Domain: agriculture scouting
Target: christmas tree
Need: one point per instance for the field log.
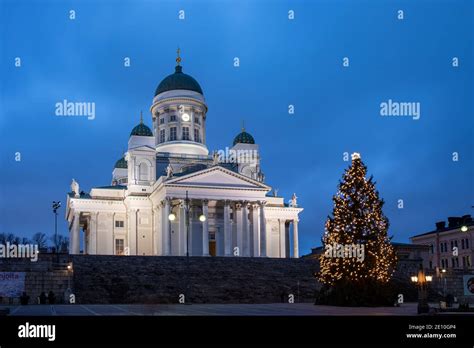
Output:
(357, 252)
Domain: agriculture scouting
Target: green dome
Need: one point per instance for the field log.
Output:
(121, 163)
(244, 138)
(178, 80)
(142, 130)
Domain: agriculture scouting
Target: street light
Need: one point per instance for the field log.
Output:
(464, 228)
(56, 206)
(421, 280)
(172, 217)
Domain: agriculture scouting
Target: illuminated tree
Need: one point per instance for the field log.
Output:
(358, 221)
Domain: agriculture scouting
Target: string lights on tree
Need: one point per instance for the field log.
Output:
(357, 220)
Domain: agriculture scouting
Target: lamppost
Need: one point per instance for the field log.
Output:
(172, 217)
(56, 206)
(421, 280)
(443, 275)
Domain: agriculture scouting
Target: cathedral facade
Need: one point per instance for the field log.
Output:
(170, 197)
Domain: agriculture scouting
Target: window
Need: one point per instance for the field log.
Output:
(431, 264)
(119, 247)
(456, 243)
(118, 223)
(196, 136)
(143, 172)
(162, 120)
(173, 118)
(462, 243)
(196, 120)
(468, 260)
(173, 134)
(467, 243)
(452, 262)
(457, 261)
(431, 249)
(442, 263)
(186, 133)
(452, 245)
(162, 136)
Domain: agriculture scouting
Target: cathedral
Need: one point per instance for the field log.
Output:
(170, 197)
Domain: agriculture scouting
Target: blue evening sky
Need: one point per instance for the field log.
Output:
(282, 62)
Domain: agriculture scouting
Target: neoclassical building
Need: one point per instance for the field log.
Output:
(170, 196)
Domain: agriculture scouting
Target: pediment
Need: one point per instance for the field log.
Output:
(143, 148)
(217, 177)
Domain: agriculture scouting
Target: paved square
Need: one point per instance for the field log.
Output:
(271, 309)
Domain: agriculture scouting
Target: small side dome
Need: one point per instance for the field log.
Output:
(121, 163)
(244, 138)
(141, 129)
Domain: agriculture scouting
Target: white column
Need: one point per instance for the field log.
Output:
(256, 231)
(263, 230)
(203, 128)
(75, 247)
(93, 234)
(182, 230)
(238, 221)
(157, 240)
(227, 230)
(191, 213)
(282, 238)
(165, 227)
(133, 233)
(205, 229)
(191, 127)
(246, 229)
(295, 239)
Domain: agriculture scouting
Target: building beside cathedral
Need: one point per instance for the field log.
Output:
(169, 195)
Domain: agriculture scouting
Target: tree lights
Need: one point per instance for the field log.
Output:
(357, 220)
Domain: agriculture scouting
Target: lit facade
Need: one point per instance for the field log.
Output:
(450, 247)
(144, 210)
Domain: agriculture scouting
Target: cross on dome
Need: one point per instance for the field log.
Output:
(178, 58)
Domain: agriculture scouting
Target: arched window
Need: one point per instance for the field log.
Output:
(143, 172)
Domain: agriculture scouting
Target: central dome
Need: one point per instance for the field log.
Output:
(178, 80)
